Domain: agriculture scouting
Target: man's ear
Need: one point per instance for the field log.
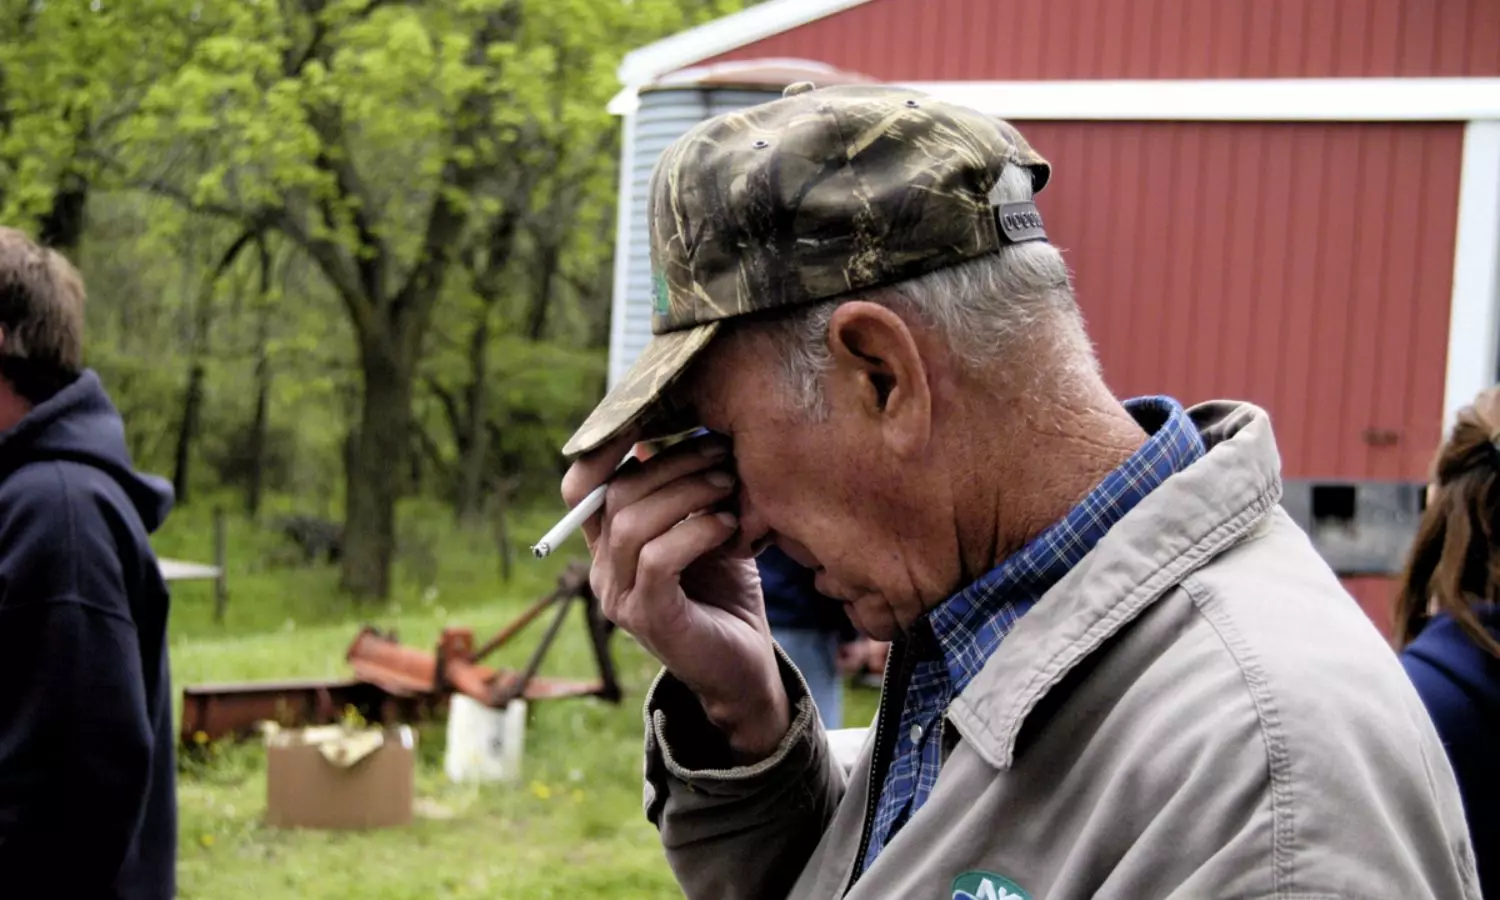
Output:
(879, 369)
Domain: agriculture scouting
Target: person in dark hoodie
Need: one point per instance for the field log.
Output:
(1447, 618)
(88, 803)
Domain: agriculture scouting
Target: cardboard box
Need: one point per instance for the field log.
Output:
(332, 777)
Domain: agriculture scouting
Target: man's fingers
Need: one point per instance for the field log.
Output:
(593, 469)
(590, 471)
(633, 527)
(661, 561)
(596, 467)
(672, 464)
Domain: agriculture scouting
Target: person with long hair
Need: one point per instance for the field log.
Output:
(1447, 617)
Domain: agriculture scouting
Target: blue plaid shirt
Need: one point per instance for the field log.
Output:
(967, 628)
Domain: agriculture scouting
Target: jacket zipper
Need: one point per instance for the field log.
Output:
(877, 769)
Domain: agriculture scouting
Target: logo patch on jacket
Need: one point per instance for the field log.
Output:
(661, 304)
(986, 886)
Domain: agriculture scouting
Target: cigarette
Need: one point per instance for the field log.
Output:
(570, 522)
(592, 503)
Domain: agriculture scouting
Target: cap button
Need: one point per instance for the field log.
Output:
(798, 87)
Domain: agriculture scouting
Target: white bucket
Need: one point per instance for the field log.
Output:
(484, 744)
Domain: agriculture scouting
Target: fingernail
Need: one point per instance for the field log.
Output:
(728, 518)
(713, 449)
(720, 479)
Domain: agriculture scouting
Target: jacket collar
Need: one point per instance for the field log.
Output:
(1192, 517)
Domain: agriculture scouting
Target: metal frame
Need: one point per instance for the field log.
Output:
(393, 683)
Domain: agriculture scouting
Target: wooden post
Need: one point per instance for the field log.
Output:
(499, 500)
(221, 562)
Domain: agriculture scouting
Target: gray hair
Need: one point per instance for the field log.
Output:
(984, 310)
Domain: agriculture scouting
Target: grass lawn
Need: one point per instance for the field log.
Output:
(572, 826)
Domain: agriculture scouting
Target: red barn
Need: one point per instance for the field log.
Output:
(1293, 202)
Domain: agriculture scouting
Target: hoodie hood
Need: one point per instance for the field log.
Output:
(1444, 645)
(80, 424)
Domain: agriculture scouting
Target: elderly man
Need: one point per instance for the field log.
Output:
(1119, 669)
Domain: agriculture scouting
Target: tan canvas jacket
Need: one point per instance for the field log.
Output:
(1198, 710)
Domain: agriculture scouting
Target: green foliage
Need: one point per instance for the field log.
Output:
(67, 68)
(442, 571)
(415, 174)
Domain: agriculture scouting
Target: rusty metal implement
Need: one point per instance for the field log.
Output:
(395, 683)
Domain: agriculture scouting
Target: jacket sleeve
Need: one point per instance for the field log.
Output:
(736, 831)
(75, 739)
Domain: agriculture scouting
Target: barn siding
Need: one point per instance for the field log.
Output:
(1375, 596)
(1303, 267)
(981, 40)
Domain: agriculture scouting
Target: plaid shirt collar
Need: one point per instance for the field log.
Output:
(967, 628)
(969, 625)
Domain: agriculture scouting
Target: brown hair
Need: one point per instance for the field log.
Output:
(1455, 560)
(41, 315)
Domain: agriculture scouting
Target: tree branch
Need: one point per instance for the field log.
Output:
(293, 64)
(447, 218)
(430, 448)
(332, 259)
(450, 409)
(499, 241)
(169, 191)
(361, 278)
(373, 259)
(264, 252)
(204, 317)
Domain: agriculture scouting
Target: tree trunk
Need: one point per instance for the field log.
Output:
(500, 501)
(187, 431)
(192, 398)
(261, 423)
(541, 300)
(62, 227)
(475, 439)
(262, 419)
(376, 470)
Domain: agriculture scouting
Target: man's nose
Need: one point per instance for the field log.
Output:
(754, 534)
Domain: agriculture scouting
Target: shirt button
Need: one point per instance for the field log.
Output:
(916, 734)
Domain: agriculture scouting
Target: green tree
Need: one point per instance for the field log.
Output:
(445, 161)
(69, 71)
(383, 139)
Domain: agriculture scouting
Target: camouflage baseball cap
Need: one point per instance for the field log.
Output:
(808, 197)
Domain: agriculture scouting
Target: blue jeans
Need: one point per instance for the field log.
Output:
(815, 653)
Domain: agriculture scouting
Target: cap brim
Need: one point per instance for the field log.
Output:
(665, 358)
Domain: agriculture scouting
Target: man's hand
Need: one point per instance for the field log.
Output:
(662, 571)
